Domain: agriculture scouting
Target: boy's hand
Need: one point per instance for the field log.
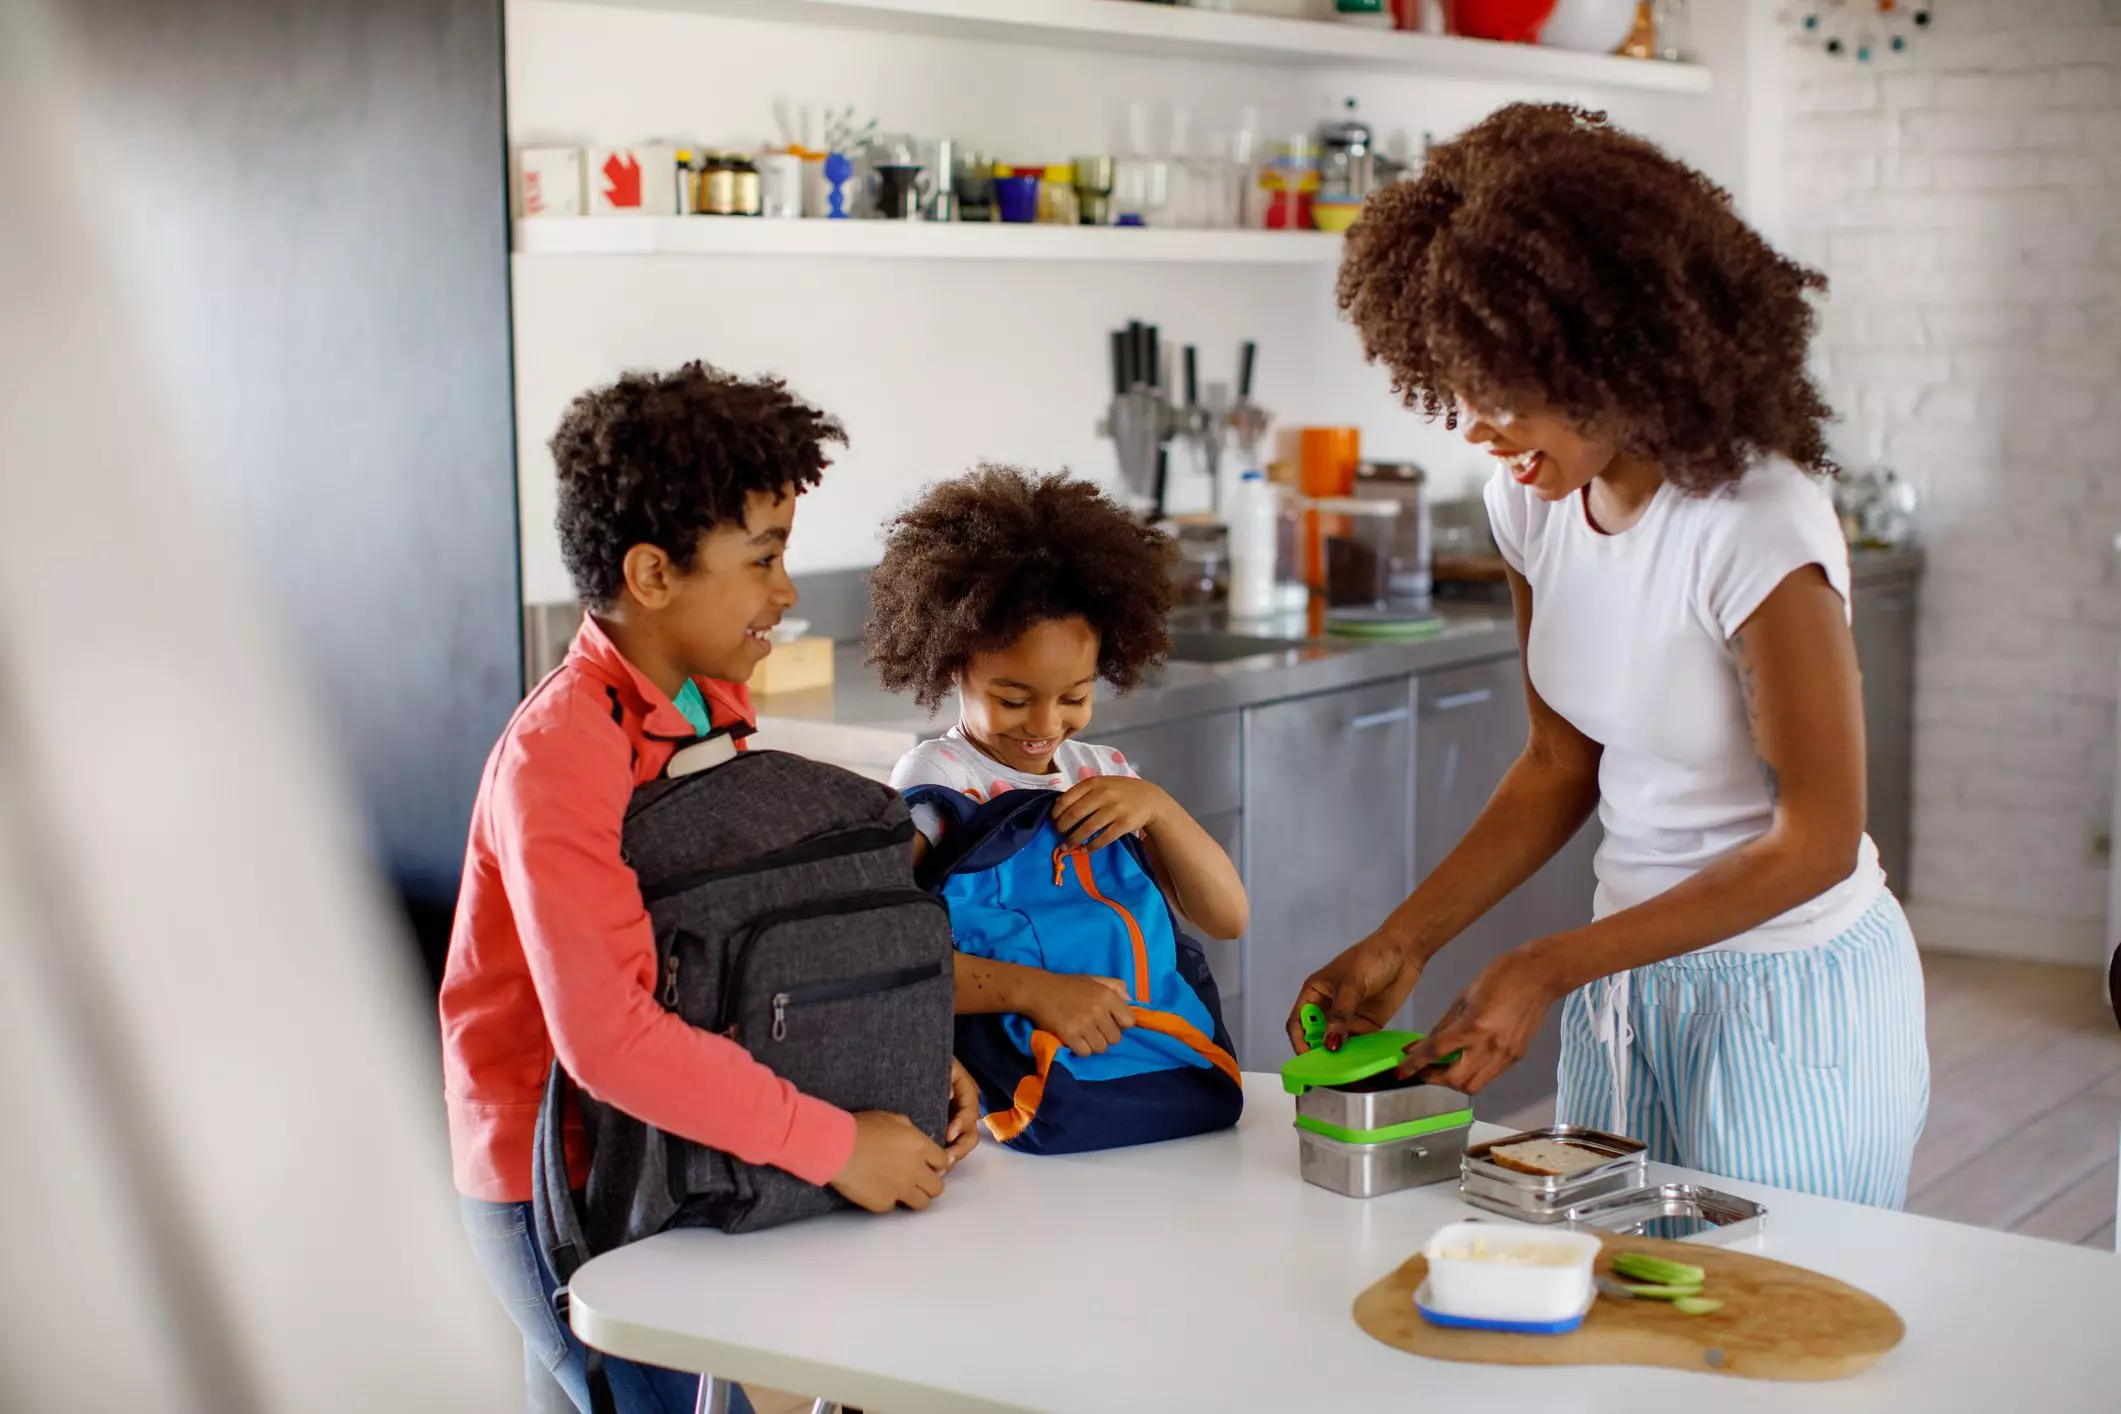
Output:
(962, 1134)
(1087, 1014)
(1105, 809)
(892, 1163)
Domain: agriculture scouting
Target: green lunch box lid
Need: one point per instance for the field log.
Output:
(1358, 1058)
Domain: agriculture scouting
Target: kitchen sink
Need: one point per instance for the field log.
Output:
(1209, 647)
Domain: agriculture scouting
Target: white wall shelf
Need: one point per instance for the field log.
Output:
(1175, 32)
(558, 236)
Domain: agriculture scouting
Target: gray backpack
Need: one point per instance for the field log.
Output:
(786, 918)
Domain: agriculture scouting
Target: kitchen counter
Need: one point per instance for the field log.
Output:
(1179, 689)
(1204, 1274)
(1472, 633)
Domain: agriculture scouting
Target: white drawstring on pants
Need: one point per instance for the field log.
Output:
(1612, 1029)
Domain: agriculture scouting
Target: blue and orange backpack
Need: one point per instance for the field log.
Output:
(1018, 893)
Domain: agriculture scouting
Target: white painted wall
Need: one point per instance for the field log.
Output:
(936, 366)
(1964, 201)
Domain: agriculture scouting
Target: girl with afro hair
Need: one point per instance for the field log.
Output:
(1020, 594)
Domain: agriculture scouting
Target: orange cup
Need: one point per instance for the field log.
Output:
(1327, 458)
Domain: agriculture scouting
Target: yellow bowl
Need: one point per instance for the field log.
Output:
(1335, 218)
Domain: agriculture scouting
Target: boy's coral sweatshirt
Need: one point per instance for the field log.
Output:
(552, 951)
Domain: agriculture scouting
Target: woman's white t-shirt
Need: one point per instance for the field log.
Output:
(1630, 642)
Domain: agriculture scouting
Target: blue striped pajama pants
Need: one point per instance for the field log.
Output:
(1806, 1070)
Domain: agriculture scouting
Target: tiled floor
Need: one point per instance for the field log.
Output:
(2025, 1100)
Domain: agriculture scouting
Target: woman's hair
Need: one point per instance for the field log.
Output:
(662, 458)
(976, 562)
(1546, 255)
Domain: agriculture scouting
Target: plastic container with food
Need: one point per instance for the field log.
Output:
(1486, 1272)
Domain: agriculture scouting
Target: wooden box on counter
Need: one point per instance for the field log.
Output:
(801, 666)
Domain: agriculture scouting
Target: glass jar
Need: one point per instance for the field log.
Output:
(1058, 204)
(744, 188)
(1289, 181)
(1203, 572)
(718, 185)
(1358, 537)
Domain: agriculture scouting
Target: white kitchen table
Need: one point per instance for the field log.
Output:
(1205, 1275)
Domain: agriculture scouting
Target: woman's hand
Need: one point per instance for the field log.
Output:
(1106, 809)
(1491, 1024)
(1358, 991)
(962, 1134)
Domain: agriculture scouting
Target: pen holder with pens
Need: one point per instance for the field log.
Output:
(1361, 1130)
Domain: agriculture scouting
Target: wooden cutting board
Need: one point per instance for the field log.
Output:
(1778, 1322)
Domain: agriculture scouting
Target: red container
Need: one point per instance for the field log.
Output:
(1513, 21)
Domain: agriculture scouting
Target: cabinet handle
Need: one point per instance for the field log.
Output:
(1380, 719)
(1451, 702)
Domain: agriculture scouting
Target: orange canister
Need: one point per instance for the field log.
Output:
(1327, 459)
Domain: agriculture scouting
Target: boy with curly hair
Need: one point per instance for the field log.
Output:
(677, 497)
(1021, 593)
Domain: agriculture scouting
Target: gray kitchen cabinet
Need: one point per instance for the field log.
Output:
(1883, 614)
(1196, 759)
(1226, 957)
(1471, 725)
(1328, 836)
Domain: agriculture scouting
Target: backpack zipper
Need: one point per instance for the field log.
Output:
(740, 945)
(874, 983)
(670, 982)
(1133, 926)
(861, 839)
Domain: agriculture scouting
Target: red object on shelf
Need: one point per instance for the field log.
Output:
(1406, 14)
(1513, 21)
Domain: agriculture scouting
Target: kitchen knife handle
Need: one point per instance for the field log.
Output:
(1244, 369)
(1152, 357)
(1192, 380)
(1122, 374)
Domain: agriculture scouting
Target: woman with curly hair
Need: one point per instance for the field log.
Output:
(1020, 593)
(1747, 998)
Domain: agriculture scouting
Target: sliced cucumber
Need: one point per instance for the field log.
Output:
(1650, 1292)
(1636, 1266)
(1696, 1306)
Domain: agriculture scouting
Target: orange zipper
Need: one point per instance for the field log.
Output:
(1134, 929)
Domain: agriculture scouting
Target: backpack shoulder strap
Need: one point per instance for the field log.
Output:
(980, 836)
(558, 1222)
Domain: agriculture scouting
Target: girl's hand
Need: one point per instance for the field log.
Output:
(962, 1134)
(1105, 809)
(1492, 1023)
(1088, 1015)
(1358, 991)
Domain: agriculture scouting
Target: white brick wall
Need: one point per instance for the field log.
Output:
(1965, 201)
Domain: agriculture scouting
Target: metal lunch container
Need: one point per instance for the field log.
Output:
(1369, 1170)
(1380, 1136)
(1539, 1198)
(1677, 1212)
(1370, 1110)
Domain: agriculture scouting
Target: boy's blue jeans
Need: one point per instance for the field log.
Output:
(504, 1239)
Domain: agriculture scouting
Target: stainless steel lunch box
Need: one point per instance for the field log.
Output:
(1358, 1109)
(1531, 1197)
(1368, 1170)
(1675, 1211)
